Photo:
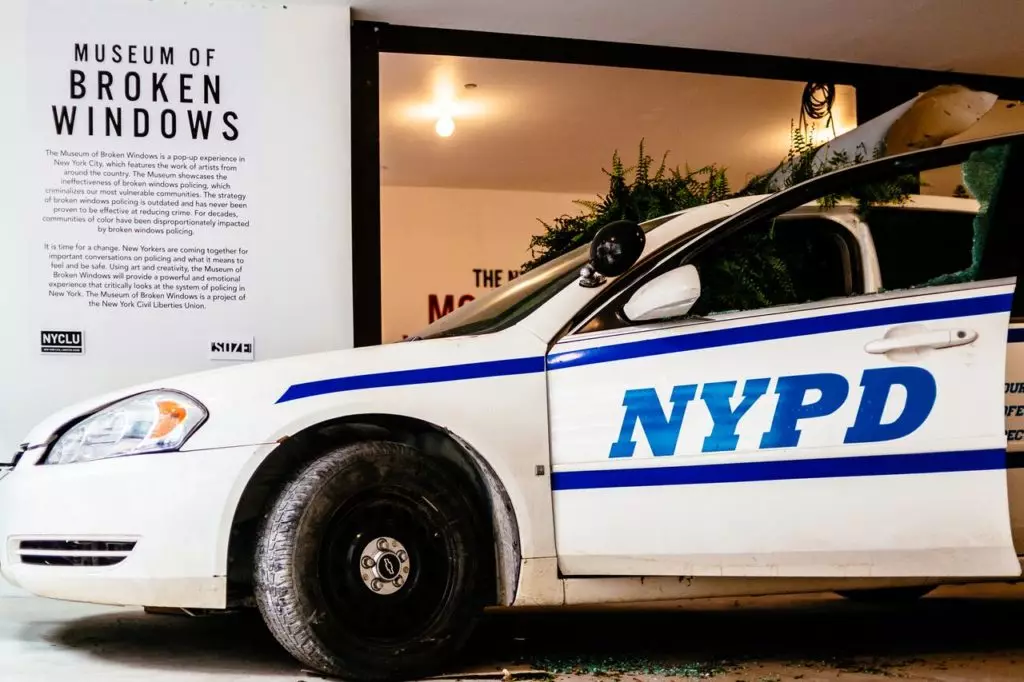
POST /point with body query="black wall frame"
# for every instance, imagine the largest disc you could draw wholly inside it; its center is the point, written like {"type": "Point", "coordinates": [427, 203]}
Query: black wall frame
{"type": "Point", "coordinates": [879, 88]}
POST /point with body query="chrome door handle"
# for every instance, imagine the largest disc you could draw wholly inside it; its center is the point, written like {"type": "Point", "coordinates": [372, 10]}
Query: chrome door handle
{"type": "Point", "coordinates": [942, 338]}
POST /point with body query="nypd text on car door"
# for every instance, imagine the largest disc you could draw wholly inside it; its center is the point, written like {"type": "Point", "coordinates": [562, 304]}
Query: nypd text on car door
{"type": "Point", "coordinates": [859, 435]}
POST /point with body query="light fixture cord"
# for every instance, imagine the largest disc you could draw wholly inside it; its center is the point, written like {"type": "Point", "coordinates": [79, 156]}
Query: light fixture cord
{"type": "Point", "coordinates": [816, 103]}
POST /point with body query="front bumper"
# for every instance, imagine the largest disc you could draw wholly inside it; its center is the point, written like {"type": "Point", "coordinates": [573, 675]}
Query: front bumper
{"type": "Point", "coordinates": [147, 530]}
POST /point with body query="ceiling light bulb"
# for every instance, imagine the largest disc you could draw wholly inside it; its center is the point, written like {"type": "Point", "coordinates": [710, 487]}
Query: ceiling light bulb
{"type": "Point", "coordinates": [445, 126]}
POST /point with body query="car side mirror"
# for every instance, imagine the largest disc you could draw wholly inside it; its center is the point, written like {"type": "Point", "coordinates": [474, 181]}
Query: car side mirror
{"type": "Point", "coordinates": [668, 295]}
{"type": "Point", "coordinates": [613, 251]}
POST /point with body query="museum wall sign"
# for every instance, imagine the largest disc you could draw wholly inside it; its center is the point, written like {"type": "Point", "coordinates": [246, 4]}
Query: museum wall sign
{"type": "Point", "coordinates": [181, 200]}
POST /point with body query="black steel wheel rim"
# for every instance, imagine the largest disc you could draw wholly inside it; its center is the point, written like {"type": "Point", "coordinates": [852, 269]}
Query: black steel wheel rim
{"type": "Point", "coordinates": [354, 608]}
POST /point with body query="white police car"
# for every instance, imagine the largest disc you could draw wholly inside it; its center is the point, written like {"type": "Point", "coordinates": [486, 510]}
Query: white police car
{"type": "Point", "coordinates": [762, 395]}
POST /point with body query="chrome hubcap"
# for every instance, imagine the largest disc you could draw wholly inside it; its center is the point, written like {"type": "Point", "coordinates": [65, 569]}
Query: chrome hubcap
{"type": "Point", "coordinates": [384, 565]}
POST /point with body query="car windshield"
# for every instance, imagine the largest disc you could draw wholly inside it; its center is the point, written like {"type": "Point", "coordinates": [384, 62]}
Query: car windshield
{"type": "Point", "coordinates": [506, 305]}
{"type": "Point", "coordinates": [511, 302]}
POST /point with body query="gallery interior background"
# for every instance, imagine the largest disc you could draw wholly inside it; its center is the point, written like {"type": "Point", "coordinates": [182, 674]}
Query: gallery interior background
{"type": "Point", "coordinates": [539, 90]}
{"type": "Point", "coordinates": [526, 139]}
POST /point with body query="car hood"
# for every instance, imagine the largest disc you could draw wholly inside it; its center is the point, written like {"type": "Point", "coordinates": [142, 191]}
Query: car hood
{"type": "Point", "coordinates": [229, 391]}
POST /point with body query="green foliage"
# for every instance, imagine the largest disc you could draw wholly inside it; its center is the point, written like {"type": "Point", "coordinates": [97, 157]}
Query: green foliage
{"type": "Point", "coordinates": [638, 194]}
{"type": "Point", "coordinates": [983, 172]}
{"type": "Point", "coordinates": [799, 160]}
{"type": "Point", "coordinates": [754, 275]}
{"type": "Point", "coordinates": [634, 193]}
{"type": "Point", "coordinates": [803, 164]}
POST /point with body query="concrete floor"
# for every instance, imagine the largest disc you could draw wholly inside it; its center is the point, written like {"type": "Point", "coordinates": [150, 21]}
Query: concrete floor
{"type": "Point", "coordinates": [956, 634]}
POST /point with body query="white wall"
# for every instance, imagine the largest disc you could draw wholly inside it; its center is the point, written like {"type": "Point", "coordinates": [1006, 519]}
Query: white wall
{"type": "Point", "coordinates": [283, 73]}
{"type": "Point", "coordinates": [432, 240]}
{"type": "Point", "coordinates": [284, 80]}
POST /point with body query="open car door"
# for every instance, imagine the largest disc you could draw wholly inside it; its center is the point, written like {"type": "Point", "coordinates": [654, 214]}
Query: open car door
{"type": "Point", "coordinates": [761, 432]}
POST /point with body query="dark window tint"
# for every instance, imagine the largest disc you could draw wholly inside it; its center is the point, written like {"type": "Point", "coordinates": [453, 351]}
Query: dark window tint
{"type": "Point", "coordinates": [782, 262]}
{"type": "Point", "coordinates": [915, 246]}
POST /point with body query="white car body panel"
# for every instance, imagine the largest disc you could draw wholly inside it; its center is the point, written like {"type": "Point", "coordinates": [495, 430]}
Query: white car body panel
{"type": "Point", "coordinates": [704, 506]}
{"type": "Point", "coordinates": [180, 558]}
{"type": "Point", "coordinates": [491, 391]}
{"type": "Point", "coordinates": [465, 408]}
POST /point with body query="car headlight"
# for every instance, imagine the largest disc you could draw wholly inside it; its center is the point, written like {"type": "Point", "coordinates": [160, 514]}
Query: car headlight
{"type": "Point", "coordinates": [156, 421]}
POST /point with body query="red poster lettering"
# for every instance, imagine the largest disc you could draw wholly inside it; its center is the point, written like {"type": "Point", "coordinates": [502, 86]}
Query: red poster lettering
{"type": "Point", "coordinates": [436, 309]}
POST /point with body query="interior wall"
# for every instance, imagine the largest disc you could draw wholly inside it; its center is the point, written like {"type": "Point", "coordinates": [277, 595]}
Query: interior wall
{"type": "Point", "coordinates": [549, 127]}
{"type": "Point", "coordinates": [441, 246]}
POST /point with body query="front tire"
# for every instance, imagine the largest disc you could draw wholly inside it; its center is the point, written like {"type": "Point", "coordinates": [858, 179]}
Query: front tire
{"type": "Point", "coordinates": [370, 565]}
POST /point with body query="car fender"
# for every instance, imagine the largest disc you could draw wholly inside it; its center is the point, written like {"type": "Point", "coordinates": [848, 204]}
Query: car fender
{"type": "Point", "coordinates": [499, 417]}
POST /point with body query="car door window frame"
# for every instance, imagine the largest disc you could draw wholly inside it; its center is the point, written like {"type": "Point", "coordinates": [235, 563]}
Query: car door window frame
{"type": "Point", "coordinates": [849, 243]}
{"type": "Point", "coordinates": [796, 197]}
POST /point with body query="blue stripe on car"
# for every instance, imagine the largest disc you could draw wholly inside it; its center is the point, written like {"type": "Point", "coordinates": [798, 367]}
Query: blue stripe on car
{"type": "Point", "coordinates": [751, 333]}
{"type": "Point", "coordinates": [410, 377]}
{"type": "Point", "coordinates": [783, 470]}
